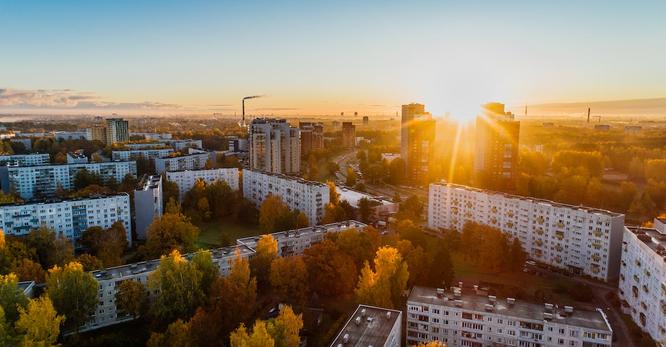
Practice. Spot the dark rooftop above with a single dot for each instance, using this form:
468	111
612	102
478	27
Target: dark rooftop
367	326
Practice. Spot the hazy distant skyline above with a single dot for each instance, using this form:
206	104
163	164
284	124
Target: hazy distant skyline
201	57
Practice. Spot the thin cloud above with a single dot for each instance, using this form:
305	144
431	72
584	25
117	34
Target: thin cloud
69	99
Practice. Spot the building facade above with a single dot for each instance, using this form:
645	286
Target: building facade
117	131
194	161
44	180
274	146
583	240
71	135
141	153
417	138
496	148
180	145
148	202
68	218
97	133
308	197
459	319
312	137
186	179
371	326
642	286
348	135
26	159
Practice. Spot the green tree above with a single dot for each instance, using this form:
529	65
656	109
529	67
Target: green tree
84	178
203	262
40	323
12	299
73	293
365	209
131	298
50	250
178	284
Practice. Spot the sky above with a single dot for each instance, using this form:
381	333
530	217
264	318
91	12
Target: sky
325	57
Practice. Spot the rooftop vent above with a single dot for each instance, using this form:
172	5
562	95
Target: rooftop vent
492	298
345	339
568	309
547	316
458	303
363	313
357	320
510	301
489	308
440	293
388	315
548	307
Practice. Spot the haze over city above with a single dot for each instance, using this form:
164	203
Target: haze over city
312	58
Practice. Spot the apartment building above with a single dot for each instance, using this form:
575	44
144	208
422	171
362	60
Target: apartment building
348	135
96	133
468	319
642	286
274	146
585	241
183	144
148	202
309	197
371	326
380	208
76	157
193	161
417	137
496	146
128	154
295	242
312	137
152	136
44	180
108	314
117	131
68	218
71	135
26	159
186	179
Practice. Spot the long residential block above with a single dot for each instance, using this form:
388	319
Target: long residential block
193	161
186	179
642	285
44	180
69	218
462	319
585	241
141	153
308	197
26	159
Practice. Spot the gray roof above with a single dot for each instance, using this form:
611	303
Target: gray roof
372	329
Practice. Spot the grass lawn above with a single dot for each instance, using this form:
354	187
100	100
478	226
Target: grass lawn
223	233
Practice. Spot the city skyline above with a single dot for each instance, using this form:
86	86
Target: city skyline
202	58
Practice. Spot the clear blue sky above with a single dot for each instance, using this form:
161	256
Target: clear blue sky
326	57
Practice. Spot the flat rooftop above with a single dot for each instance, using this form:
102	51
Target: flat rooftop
289	178
652	238
518	310
54	200
296	233
536	200
367	326
353	197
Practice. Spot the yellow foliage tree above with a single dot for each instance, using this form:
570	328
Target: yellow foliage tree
383	286
40	323
259	337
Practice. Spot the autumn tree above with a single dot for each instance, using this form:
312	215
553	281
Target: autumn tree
89	262
131	298
176	335
289	279
285	328
73	293
203	262
6	336
259	337
360	246
178	283
351	177
266	251
12	298
28	270
39	324
334	196
171	231
383	285
331	271
365	209
50	250
274	215
107	245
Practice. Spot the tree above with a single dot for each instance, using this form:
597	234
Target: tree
365	209
170	191
73	293
273	215
28	270
107	245
60	158
351	177
259	337
411	208
172	231
435	343
131	298
12	299
302	220
289	279
396	171
332	168
40	323
360	246
334	196
84	178
331	272
89	262
517	255
203	262
178	283
176	335
6	338
285	329
383	286
266	251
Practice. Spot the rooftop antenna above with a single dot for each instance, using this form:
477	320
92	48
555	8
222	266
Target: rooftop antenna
242	123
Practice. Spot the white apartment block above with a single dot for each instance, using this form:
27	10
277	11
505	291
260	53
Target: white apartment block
295	242
472	320
109	279
371	326
582	240
148	201
180	145
44	180
274	146
69	218
186	179
642	285
194	161
141	153
71	135
308	197
26	159
152	136
117	131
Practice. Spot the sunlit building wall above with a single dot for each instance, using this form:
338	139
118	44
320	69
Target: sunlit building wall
496	154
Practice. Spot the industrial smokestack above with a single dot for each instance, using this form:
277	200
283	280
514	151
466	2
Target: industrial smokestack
588	115
243	102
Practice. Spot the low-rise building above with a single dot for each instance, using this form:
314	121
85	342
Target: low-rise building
462	319
44	180
194	161
295	242
371	326
381	208
152	136
68	218
147	153
583	240
309	197
642	285
237	144
186	179
71	135
148	202
182	144
26	159
76	158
